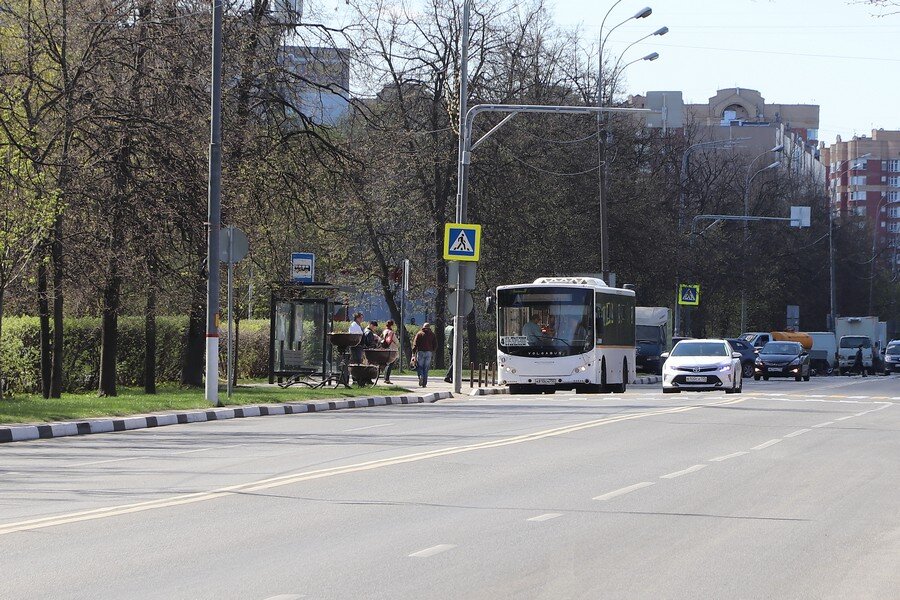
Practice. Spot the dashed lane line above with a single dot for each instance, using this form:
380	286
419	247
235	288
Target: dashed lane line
432	551
844	418
766	444
623	491
692	469
825	424
544	517
728	456
798	432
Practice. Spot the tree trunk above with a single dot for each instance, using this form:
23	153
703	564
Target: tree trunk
440	299
44	320
56	256
150	340
109	335
2	382
237	339
193	363
472	331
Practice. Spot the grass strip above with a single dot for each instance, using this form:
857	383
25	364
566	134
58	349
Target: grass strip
133	401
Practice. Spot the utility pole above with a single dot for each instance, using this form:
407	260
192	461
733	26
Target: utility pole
215	212
459	321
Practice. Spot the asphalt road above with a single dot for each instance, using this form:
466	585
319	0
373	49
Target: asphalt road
789	490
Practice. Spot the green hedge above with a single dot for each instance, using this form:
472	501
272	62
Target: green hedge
20	351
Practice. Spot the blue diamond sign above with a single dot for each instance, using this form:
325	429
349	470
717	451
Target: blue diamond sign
462	241
689	294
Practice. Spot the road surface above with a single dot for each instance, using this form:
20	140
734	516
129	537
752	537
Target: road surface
789	490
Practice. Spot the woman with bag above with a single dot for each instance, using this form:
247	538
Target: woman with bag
389	341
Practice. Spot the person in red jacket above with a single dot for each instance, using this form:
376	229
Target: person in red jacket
423	350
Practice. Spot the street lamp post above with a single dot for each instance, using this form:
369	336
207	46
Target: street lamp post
215	211
747	237
831	262
601	162
874	256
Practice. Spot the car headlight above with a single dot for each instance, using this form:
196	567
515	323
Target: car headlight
725	367
759	362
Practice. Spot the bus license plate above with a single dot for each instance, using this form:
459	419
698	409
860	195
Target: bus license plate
695	379
544	380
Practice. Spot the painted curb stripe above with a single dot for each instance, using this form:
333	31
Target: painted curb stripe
70	428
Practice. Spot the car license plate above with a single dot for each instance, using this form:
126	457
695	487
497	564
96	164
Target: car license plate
695	379
775	369
544	380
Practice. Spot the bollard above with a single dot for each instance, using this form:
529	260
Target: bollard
471	375
480	365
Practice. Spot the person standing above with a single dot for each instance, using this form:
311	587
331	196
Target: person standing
448	341
423	348
858	362
389	341
356	352
371	339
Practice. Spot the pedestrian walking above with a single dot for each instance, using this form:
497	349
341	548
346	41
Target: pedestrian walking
423	350
371	339
858	362
389	340
356	352
448	341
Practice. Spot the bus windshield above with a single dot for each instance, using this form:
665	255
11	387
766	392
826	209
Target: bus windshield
545	321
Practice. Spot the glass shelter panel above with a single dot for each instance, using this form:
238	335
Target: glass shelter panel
300	337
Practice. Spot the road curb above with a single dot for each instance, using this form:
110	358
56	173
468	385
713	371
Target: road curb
21	433
489	391
647	379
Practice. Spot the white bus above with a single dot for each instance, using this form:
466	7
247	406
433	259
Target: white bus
565	333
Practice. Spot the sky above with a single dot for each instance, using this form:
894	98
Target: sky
839	54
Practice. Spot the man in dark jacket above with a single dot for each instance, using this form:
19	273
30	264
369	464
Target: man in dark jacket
858	362
423	350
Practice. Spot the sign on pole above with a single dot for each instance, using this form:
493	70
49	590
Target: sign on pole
462	241
303	267
800	216
689	294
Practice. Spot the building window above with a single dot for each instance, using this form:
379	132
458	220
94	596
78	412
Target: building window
893	196
894	166
858	180
894	181
860	165
857	196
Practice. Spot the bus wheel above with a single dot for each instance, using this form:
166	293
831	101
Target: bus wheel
604	388
619	388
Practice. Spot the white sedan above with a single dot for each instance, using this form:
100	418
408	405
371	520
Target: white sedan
702	365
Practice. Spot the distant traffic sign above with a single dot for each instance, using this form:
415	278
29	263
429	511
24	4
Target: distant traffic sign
303	267
462	241
689	294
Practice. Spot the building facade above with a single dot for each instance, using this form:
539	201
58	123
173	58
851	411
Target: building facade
863	174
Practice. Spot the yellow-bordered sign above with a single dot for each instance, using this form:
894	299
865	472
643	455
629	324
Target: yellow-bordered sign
689	294
462	241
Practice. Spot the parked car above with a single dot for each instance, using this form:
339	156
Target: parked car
782	359
702	365
748	354
892	358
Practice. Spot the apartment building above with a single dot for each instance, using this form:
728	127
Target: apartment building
863	175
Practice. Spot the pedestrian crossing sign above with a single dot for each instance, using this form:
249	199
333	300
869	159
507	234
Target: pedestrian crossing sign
462	241
689	294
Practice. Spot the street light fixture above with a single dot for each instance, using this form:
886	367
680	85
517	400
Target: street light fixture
604	225
747	237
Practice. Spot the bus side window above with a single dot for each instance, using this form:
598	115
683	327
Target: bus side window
599	323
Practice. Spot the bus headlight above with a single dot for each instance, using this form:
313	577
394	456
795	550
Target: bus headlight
581	369
509	369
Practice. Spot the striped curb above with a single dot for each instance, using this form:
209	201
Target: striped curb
22	433
647	379
489	391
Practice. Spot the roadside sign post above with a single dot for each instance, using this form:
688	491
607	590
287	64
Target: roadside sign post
303	267
462	242
233	246
689	294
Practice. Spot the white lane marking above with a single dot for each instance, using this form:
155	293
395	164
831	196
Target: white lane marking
287	597
432	551
844	418
682	472
191	451
727	456
798	432
825	424
12	473
623	491
858	397
544	517
369	427
103	462
765	444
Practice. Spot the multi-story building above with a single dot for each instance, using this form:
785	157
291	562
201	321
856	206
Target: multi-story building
320	89
863	174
